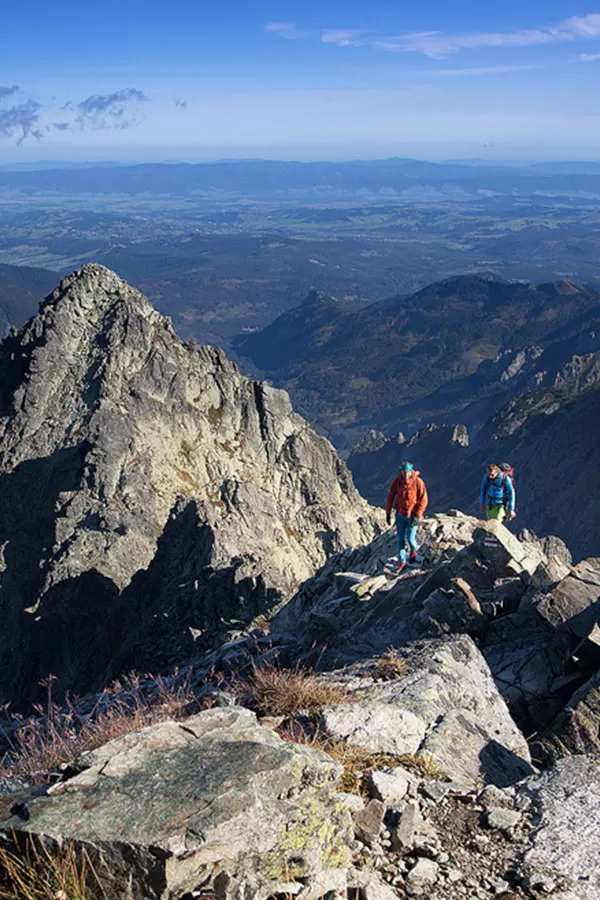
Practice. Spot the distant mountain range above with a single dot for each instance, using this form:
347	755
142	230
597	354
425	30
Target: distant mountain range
453	352
270	179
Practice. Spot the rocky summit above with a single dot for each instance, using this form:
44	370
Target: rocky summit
322	726
151	498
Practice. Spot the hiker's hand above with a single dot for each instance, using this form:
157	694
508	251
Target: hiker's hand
416	520
513	514
388	519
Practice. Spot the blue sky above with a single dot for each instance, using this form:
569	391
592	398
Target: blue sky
198	80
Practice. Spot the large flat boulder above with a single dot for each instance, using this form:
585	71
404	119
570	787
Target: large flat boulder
449	699
217	801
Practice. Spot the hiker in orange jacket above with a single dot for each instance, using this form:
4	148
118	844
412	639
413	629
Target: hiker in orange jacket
408	497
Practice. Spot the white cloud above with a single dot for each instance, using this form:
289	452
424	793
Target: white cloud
285	30
585	26
347	38
589	57
439	45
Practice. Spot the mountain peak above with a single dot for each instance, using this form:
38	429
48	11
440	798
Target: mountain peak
148	477
94	286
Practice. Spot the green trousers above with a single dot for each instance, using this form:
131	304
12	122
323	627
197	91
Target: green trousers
496	512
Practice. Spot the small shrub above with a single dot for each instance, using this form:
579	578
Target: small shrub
37	874
389	666
56	735
274	691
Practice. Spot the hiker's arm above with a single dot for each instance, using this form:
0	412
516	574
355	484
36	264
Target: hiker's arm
510	490
422	500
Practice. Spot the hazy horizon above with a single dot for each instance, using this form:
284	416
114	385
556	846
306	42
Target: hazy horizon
326	80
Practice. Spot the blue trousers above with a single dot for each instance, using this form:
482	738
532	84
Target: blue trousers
405	531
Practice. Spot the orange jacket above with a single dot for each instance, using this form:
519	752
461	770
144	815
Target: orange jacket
408	495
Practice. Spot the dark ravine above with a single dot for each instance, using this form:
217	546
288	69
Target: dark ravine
151	498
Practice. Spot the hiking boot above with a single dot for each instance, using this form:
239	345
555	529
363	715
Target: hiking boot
400	567
412	559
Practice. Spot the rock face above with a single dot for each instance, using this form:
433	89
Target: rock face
218	802
151	498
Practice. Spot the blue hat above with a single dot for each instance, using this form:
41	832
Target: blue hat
406	467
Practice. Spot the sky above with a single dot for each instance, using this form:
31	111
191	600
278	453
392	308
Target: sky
298	80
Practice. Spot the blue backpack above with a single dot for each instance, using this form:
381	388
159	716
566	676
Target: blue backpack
496	494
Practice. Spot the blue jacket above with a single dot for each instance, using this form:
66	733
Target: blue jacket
498	491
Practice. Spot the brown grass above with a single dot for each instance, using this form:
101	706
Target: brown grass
390	666
58	734
37	874
271	690
358	762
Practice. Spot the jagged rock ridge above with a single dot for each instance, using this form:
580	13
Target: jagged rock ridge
151	498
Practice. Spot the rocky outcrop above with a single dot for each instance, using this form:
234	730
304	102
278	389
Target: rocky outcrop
532	614
220	806
445	708
151	498
217	802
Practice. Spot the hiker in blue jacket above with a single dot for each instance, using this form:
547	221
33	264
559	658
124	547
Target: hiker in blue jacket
497	495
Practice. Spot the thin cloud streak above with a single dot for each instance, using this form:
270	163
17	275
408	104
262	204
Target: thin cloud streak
439	45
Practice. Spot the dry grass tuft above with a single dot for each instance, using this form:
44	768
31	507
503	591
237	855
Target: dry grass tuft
357	762
389	666
56	735
37	874
271	690
424	765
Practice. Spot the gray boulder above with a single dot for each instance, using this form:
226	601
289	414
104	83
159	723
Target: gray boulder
446	708
217	801
575	601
